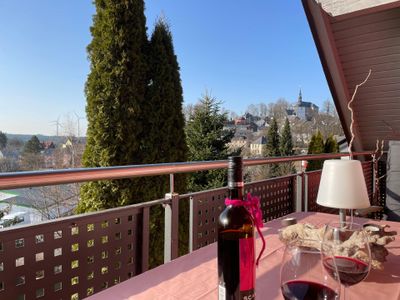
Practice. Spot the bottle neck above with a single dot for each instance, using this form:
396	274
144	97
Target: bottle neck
236	193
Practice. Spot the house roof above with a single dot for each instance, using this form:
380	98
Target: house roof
307	104
353	37
262	140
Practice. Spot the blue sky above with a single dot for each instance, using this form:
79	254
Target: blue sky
244	52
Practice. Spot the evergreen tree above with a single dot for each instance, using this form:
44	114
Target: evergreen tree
272	148
166	141
331	145
31	158
115	92
286	142
207	140
316	146
3	140
164	99
286	149
33	146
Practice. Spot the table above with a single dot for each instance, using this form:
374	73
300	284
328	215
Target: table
194	276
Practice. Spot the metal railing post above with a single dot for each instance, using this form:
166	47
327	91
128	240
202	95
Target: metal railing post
171	234
305	192
144	264
191	223
299	192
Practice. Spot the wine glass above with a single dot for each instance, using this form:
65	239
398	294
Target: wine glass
352	253
303	276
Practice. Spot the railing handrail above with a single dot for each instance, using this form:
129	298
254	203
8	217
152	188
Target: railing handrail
14	180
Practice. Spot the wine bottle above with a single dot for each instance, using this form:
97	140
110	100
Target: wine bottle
236	248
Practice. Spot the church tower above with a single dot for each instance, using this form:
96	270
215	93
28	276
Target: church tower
300	99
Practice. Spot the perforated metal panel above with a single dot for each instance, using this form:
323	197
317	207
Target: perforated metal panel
313	179
276	197
74	257
206	207
368	175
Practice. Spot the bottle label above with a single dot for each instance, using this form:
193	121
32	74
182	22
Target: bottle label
221	292
233	184
247	268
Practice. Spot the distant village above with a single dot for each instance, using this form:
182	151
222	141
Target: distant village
59	152
304	117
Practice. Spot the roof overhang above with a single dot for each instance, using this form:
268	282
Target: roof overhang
353	37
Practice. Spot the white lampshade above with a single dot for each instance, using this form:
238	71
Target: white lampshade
343	185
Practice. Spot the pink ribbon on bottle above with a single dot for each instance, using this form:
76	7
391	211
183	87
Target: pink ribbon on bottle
253	206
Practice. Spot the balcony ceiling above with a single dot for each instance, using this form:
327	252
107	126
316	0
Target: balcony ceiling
352	37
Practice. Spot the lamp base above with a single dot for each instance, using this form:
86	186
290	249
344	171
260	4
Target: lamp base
342	216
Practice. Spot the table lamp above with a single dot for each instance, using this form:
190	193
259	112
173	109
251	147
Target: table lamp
343	186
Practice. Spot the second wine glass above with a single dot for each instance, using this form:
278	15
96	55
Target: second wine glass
352	255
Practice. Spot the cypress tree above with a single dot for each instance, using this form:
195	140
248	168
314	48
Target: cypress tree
115	92
207	140
166	140
316	146
286	148
164	99
272	148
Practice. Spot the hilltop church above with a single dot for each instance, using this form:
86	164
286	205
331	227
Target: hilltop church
303	110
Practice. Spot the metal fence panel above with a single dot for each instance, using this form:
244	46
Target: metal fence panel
73	257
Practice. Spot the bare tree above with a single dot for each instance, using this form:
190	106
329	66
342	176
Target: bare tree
263	110
253	110
278	109
54	202
8	165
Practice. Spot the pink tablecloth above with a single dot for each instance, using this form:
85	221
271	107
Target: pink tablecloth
194	276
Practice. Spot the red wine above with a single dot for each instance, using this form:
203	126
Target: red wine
236	255
307	290
351	271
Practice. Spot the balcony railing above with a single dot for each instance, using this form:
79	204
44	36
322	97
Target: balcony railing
74	257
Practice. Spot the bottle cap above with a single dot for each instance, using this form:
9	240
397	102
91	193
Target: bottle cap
235	173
